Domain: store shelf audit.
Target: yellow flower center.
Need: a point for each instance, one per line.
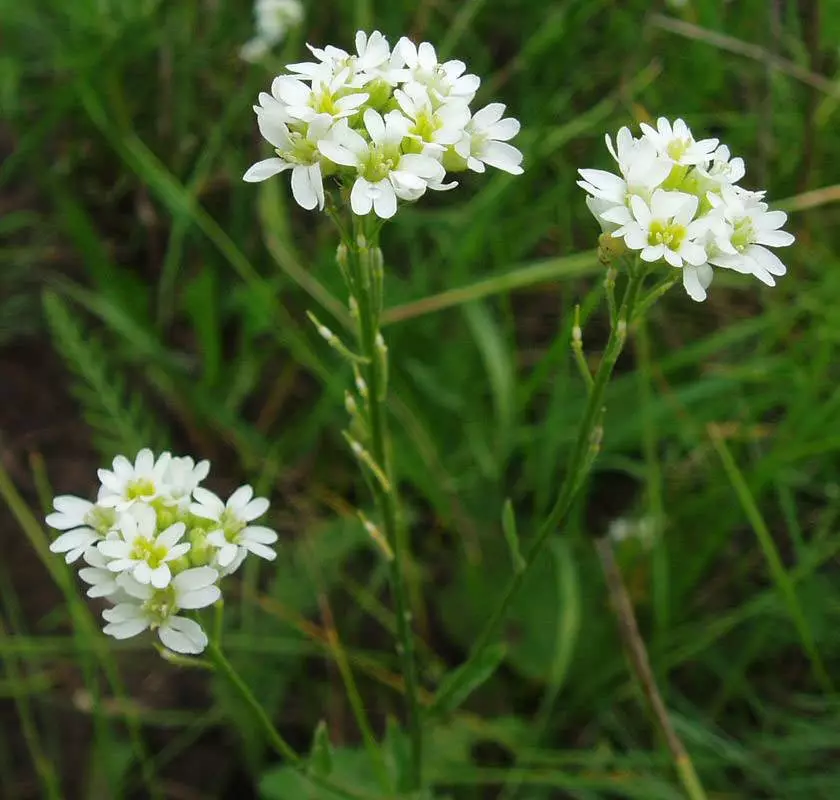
(146, 550)
(142, 487)
(669, 234)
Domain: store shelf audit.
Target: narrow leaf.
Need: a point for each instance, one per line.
(456, 687)
(321, 752)
(511, 536)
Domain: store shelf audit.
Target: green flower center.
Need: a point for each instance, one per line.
(324, 102)
(142, 487)
(301, 151)
(670, 234)
(425, 126)
(379, 162)
(147, 550)
(677, 147)
(744, 234)
(232, 526)
(161, 606)
(101, 520)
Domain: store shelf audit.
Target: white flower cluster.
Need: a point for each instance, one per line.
(386, 124)
(676, 199)
(274, 19)
(156, 543)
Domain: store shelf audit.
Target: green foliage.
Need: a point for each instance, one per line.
(118, 419)
(176, 296)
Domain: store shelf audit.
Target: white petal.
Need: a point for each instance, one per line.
(172, 535)
(672, 258)
(775, 238)
(161, 576)
(489, 115)
(142, 573)
(114, 548)
(264, 169)
(81, 537)
(212, 503)
(183, 635)
(260, 550)
(504, 130)
(502, 156)
(302, 189)
(259, 533)
(767, 259)
(227, 553)
(256, 508)
(693, 287)
(385, 202)
(127, 629)
(195, 578)
(273, 130)
(72, 506)
(239, 499)
(177, 551)
(145, 461)
(360, 199)
(199, 598)
(337, 153)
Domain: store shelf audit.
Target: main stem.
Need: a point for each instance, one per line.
(579, 463)
(637, 655)
(366, 280)
(272, 735)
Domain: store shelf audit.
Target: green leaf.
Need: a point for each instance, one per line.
(460, 684)
(351, 769)
(202, 304)
(321, 752)
(511, 536)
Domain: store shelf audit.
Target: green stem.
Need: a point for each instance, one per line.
(365, 284)
(272, 735)
(580, 462)
(636, 651)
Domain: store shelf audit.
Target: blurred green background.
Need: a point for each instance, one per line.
(149, 297)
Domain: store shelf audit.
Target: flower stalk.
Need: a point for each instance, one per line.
(580, 462)
(224, 668)
(362, 267)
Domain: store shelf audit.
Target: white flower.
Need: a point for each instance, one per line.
(484, 141)
(445, 81)
(372, 60)
(723, 170)
(298, 151)
(234, 536)
(182, 476)
(102, 581)
(125, 484)
(158, 609)
(749, 228)
(273, 18)
(642, 172)
(84, 524)
(384, 173)
(143, 551)
(665, 229)
(439, 126)
(330, 96)
(676, 143)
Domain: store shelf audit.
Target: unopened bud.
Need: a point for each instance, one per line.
(341, 255)
(350, 404)
(610, 248)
